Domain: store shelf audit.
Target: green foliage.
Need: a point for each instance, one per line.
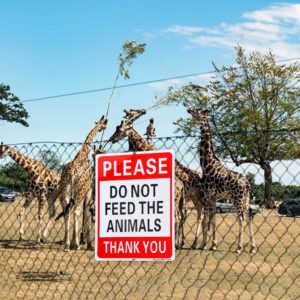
(131, 49)
(51, 159)
(280, 192)
(255, 108)
(11, 109)
(255, 111)
(13, 176)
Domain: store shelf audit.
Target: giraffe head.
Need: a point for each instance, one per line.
(4, 150)
(150, 130)
(120, 133)
(97, 151)
(133, 114)
(199, 114)
(101, 124)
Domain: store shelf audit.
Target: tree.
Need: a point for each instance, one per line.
(11, 109)
(255, 111)
(51, 159)
(13, 176)
(130, 51)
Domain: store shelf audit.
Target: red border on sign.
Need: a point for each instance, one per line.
(117, 161)
(167, 242)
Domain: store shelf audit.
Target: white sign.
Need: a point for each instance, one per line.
(134, 206)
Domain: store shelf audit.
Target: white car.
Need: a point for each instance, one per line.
(224, 207)
(7, 195)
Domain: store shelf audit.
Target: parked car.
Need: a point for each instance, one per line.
(283, 207)
(223, 206)
(293, 210)
(7, 195)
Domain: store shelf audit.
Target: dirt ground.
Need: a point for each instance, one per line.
(32, 271)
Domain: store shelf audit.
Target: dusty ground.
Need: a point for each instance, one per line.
(28, 270)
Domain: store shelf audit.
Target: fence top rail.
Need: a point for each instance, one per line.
(155, 138)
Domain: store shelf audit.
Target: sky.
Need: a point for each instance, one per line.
(56, 47)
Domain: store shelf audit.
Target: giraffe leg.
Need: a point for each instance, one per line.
(205, 229)
(67, 232)
(89, 240)
(181, 216)
(41, 215)
(89, 221)
(29, 198)
(181, 227)
(21, 218)
(179, 231)
(75, 239)
(45, 232)
(65, 195)
(214, 226)
(176, 233)
(83, 235)
(252, 240)
(199, 214)
(51, 210)
(241, 232)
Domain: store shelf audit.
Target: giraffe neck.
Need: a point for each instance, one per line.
(86, 147)
(31, 166)
(183, 173)
(206, 149)
(137, 141)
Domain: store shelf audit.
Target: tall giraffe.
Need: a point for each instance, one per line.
(189, 178)
(42, 183)
(222, 182)
(138, 144)
(76, 185)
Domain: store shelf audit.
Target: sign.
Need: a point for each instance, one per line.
(135, 206)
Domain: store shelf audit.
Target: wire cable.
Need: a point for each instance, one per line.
(133, 84)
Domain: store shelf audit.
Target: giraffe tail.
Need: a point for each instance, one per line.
(209, 220)
(67, 210)
(251, 214)
(209, 223)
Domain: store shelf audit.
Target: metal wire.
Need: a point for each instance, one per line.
(32, 270)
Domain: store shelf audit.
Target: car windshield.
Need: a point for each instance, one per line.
(5, 191)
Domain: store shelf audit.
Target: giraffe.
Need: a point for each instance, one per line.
(131, 116)
(222, 182)
(41, 183)
(150, 130)
(76, 185)
(138, 144)
(190, 179)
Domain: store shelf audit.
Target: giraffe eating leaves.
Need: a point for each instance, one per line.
(187, 181)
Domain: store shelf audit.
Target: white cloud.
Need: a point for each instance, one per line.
(277, 13)
(164, 85)
(188, 30)
(276, 27)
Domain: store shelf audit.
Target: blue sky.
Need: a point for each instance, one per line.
(55, 47)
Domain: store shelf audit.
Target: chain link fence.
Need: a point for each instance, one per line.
(33, 270)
